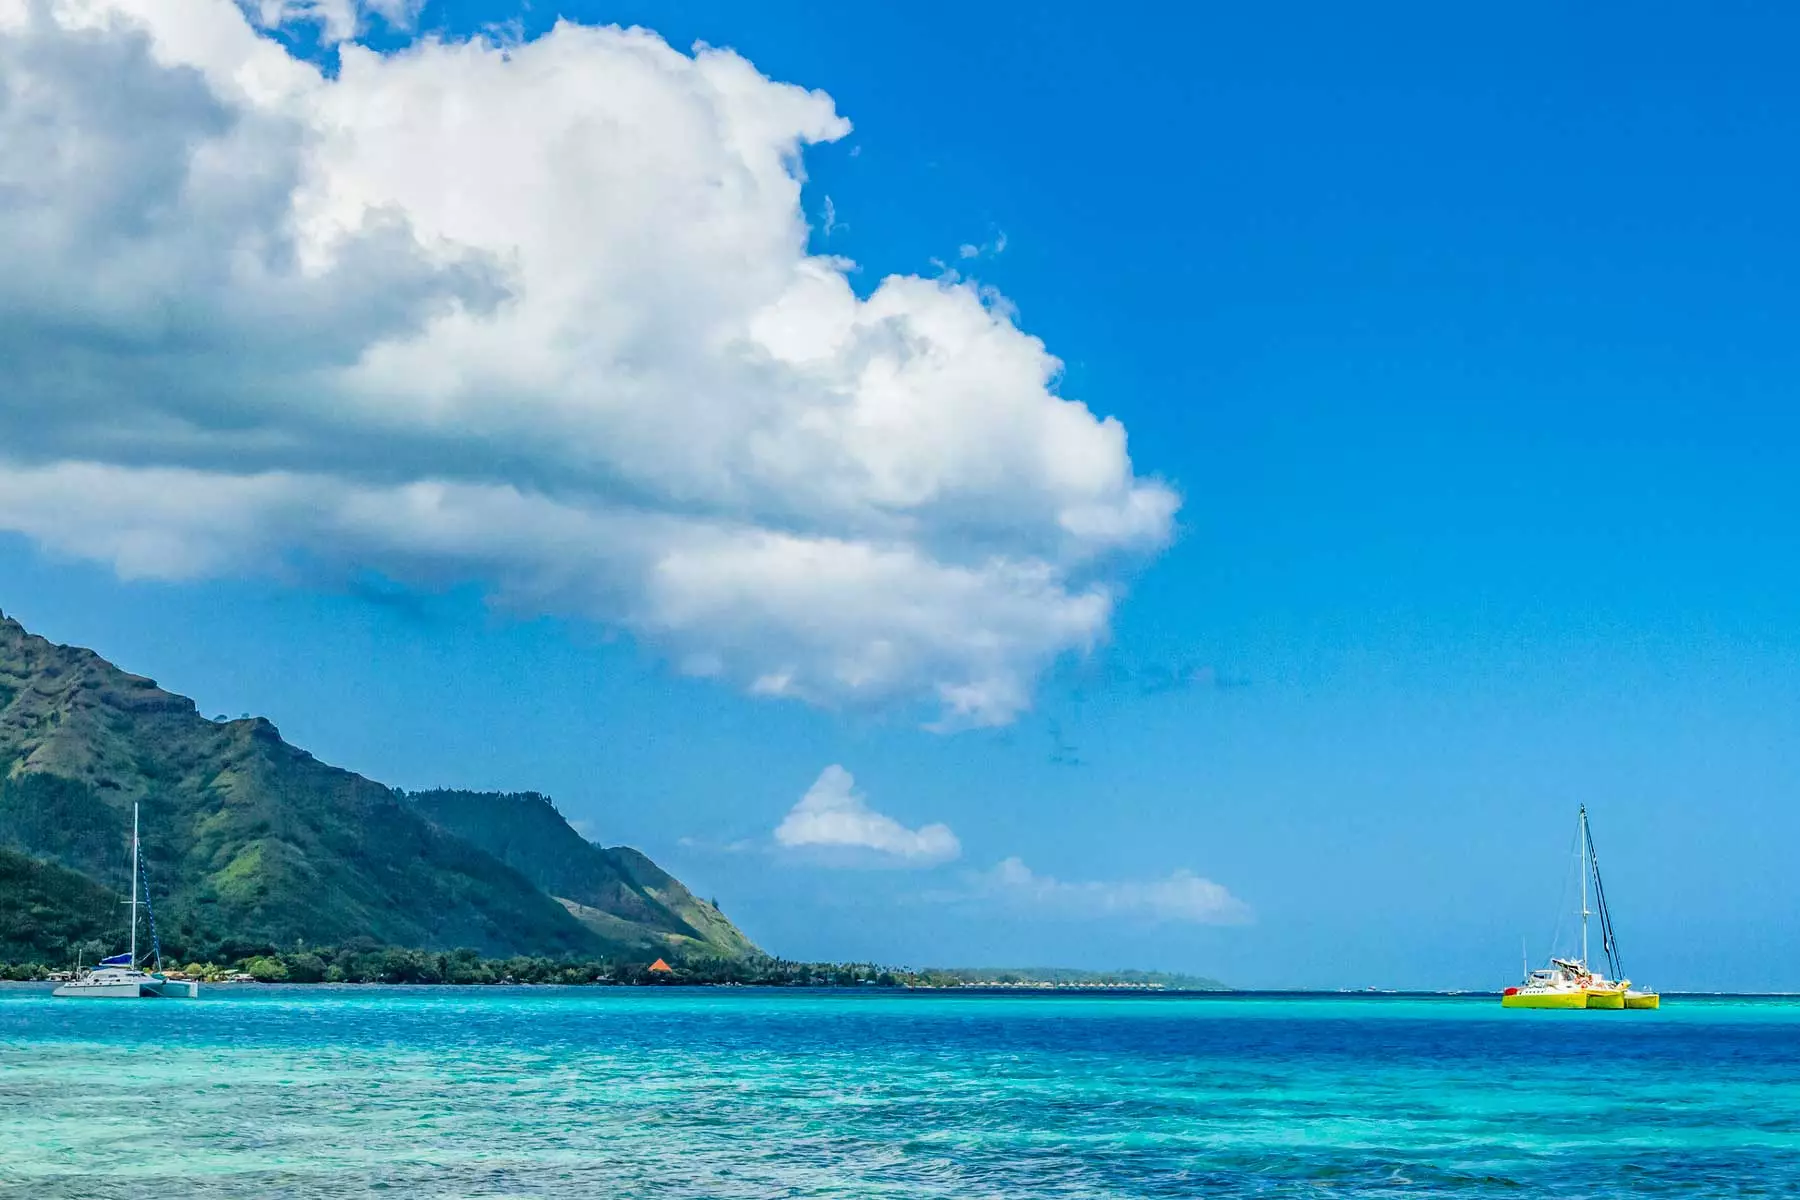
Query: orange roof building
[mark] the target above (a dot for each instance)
(660, 965)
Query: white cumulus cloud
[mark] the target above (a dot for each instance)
(1182, 896)
(834, 815)
(541, 317)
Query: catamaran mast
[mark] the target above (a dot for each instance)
(1584, 894)
(134, 883)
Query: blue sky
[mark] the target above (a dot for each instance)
(1467, 346)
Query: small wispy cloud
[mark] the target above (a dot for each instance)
(833, 815)
(405, 603)
(714, 846)
(1180, 897)
(1111, 674)
(989, 249)
(1063, 752)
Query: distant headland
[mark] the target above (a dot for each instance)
(266, 865)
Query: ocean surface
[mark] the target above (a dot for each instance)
(590, 1092)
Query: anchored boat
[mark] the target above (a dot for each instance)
(120, 977)
(1572, 982)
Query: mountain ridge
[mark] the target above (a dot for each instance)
(252, 841)
(599, 885)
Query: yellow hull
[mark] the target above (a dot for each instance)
(1645, 1000)
(1606, 998)
(1545, 1000)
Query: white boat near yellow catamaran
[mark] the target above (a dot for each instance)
(1572, 982)
(120, 977)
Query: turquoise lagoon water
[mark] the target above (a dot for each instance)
(582, 1092)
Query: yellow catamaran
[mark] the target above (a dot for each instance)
(1571, 982)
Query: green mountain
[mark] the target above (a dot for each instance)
(251, 842)
(614, 891)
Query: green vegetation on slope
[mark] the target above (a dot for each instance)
(609, 889)
(250, 842)
(45, 910)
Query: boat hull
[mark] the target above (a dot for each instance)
(1557, 1000)
(176, 989)
(99, 991)
(144, 987)
(1642, 1000)
(1605, 998)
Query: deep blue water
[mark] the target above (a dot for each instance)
(748, 1093)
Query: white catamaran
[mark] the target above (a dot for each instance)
(119, 977)
(1571, 982)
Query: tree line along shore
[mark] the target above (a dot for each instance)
(396, 965)
(363, 963)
